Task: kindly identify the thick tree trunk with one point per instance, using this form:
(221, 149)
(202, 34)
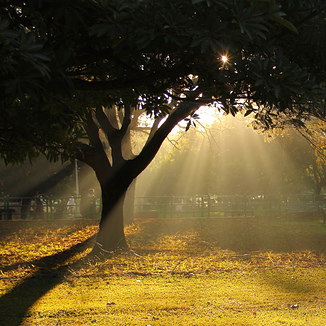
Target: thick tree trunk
(111, 233)
(128, 208)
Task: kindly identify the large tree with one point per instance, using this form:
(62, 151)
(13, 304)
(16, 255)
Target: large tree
(76, 71)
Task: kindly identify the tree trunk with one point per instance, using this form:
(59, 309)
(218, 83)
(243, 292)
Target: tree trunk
(318, 188)
(129, 203)
(111, 232)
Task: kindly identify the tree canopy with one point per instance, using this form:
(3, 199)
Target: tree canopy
(58, 57)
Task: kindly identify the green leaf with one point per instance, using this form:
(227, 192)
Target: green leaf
(197, 1)
(287, 24)
(248, 112)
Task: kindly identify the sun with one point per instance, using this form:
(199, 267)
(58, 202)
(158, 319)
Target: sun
(224, 58)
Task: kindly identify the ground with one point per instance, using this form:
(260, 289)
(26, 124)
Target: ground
(179, 272)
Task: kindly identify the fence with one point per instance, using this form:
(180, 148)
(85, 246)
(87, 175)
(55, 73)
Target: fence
(17, 208)
(224, 206)
(164, 206)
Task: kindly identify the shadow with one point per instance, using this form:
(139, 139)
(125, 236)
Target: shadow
(283, 281)
(239, 235)
(15, 304)
(55, 259)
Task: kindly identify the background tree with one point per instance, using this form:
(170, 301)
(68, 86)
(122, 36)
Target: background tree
(165, 58)
(314, 135)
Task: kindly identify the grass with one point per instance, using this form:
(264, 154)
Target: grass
(180, 272)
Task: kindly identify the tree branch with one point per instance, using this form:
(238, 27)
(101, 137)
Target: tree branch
(104, 122)
(153, 145)
(94, 154)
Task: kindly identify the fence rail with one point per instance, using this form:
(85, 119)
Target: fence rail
(224, 206)
(13, 208)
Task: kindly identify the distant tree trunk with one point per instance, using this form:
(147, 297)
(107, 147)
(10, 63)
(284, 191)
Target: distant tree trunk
(318, 188)
(319, 185)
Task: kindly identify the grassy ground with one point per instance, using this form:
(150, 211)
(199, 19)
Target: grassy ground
(180, 272)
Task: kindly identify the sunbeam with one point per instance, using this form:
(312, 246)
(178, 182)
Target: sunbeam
(232, 159)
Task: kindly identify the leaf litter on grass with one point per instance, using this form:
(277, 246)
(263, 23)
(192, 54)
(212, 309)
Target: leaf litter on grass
(177, 273)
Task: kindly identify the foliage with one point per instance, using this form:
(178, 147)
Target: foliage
(314, 134)
(220, 272)
(59, 57)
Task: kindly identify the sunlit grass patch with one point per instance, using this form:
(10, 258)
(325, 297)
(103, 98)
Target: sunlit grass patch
(229, 298)
(196, 272)
(31, 243)
(22, 252)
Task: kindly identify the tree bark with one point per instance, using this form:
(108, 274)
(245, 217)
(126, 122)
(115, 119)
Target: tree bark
(128, 208)
(111, 233)
(111, 229)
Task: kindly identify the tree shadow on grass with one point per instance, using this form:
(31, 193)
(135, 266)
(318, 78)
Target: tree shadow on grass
(51, 271)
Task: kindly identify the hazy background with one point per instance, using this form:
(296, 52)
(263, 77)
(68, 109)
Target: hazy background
(228, 158)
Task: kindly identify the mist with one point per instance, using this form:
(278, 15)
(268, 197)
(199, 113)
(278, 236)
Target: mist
(229, 158)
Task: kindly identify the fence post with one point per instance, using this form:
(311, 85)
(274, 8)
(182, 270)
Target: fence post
(46, 208)
(6, 205)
